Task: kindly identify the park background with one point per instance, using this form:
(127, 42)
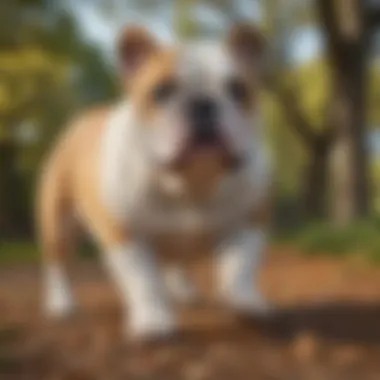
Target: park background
(322, 118)
(322, 109)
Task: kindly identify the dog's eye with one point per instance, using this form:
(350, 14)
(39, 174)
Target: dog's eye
(238, 90)
(164, 91)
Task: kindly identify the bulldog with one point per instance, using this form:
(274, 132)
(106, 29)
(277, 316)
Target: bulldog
(179, 158)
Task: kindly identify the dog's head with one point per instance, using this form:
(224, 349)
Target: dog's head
(194, 100)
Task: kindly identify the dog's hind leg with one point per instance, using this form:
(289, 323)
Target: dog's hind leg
(57, 237)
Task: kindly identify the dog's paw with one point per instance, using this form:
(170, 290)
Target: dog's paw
(59, 300)
(151, 324)
(249, 304)
(59, 303)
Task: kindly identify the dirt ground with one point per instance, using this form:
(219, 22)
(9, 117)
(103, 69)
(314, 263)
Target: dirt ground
(326, 327)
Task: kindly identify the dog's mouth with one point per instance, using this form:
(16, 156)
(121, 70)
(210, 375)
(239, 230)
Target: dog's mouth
(204, 151)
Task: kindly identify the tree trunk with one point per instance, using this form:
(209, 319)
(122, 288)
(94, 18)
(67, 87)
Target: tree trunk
(349, 166)
(348, 41)
(342, 207)
(12, 200)
(315, 186)
(7, 221)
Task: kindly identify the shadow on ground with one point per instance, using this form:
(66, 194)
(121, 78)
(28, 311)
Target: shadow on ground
(339, 340)
(344, 322)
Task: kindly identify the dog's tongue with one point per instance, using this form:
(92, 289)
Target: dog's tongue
(202, 171)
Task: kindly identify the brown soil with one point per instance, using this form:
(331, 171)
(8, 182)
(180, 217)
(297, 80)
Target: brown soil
(327, 327)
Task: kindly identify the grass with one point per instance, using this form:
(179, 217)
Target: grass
(28, 252)
(18, 252)
(360, 239)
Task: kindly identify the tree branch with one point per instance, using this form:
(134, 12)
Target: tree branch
(328, 18)
(296, 118)
(339, 37)
(374, 19)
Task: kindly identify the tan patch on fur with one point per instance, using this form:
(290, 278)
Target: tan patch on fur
(69, 187)
(202, 173)
(160, 67)
(248, 45)
(135, 46)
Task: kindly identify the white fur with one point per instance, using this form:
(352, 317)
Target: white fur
(133, 190)
(151, 202)
(132, 185)
(205, 68)
(134, 270)
(123, 170)
(237, 265)
(59, 301)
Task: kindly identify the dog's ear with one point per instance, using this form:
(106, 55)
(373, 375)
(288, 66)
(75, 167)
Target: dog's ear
(134, 48)
(248, 45)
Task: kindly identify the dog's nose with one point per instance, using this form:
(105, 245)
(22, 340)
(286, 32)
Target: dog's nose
(203, 113)
(202, 109)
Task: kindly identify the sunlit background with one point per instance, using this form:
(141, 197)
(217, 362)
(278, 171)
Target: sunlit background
(322, 116)
(57, 57)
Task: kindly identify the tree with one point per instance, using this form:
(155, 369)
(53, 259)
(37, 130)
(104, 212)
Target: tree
(315, 135)
(46, 73)
(348, 27)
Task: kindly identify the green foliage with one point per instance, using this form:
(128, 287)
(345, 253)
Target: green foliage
(375, 175)
(373, 108)
(47, 72)
(288, 153)
(26, 251)
(312, 83)
(186, 26)
(361, 238)
(19, 251)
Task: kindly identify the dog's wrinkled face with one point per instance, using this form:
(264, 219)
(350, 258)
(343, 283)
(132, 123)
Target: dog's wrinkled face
(196, 100)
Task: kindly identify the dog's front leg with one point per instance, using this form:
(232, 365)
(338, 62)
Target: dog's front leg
(137, 276)
(238, 264)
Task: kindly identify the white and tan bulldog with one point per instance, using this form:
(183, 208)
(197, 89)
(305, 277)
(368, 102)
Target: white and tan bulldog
(180, 161)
